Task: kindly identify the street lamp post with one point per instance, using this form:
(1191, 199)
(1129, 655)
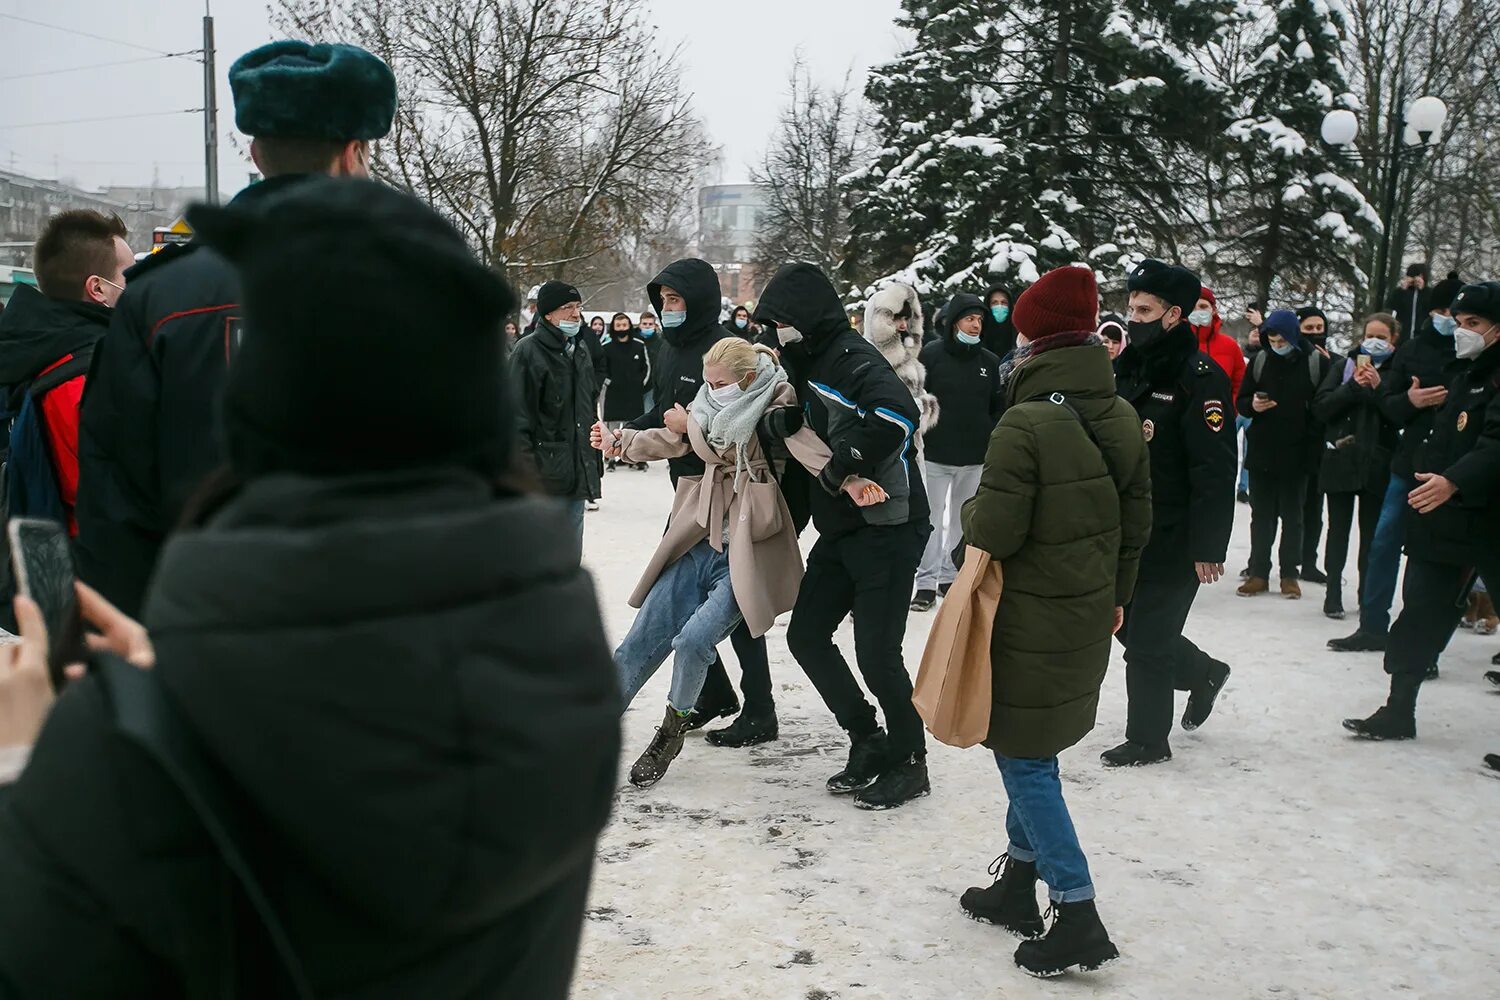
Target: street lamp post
(1420, 128)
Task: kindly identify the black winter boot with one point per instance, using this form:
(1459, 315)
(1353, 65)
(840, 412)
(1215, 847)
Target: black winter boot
(663, 749)
(868, 756)
(1200, 703)
(1333, 601)
(1492, 761)
(897, 785)
(1311, 574)
(925, 600)
(717, 700)
(1360, 642)
(1493, 676)
(1076, 942)
(750, 729)
(1133, 754)
(1397, 718)
(1010, 902)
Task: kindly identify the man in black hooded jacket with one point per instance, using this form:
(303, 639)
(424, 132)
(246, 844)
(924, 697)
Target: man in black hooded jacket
(689, 327)
(865, 559)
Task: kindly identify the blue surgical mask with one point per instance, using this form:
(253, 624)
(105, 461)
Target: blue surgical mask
(1001, 313)
(671, 319)
(1201, 317)
(741, 323)
(967, 338)
(1444, 325)
(648, 332)
(570, 327)
(1283, 350)
(1378, 350)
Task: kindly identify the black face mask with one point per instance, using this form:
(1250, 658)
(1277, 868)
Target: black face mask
(1143, 335)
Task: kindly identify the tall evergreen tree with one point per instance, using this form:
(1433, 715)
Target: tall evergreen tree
(1291, 218)
(1014, 137)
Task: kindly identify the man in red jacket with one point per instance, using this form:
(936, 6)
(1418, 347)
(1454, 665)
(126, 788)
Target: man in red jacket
(1213, 341)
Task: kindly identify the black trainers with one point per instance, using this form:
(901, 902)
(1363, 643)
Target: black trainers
(1333, 603)
(1360, 642)
(925, 600)
(1492, 761)
(1077, 942)
(1200, 703)
(1313, 575)
(867, 758)
(1010, 902)
(750, 729)
(714, 702)
(1386, 724)
(897, 785)
(1132, 754)
(1493, 676)
(943, 589)
(663, 749)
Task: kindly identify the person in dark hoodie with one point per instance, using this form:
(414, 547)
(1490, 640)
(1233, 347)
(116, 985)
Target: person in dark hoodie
(687, 299)
(1455, 534)
(1359, 440)
(1313, 324)
(999, 334)
(738, 324)
(1182, 398)
(1411, 299)
(865, 559)
(146, 437)
(965, 378)
(373, 649)
(1277, 394)
(627, 374)
(1411, 394)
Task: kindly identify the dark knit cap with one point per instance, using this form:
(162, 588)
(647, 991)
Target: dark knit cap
(1064, 300)
(372, 338)
(297, 90)
(1172, 283)
(555, 295)
(1481, 299)
(1308, 311)
(1444, 291)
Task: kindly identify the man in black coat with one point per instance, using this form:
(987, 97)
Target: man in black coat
(1456, 532)
(557, 394)
(1183, 399)
(866, 558)
(1313, 324)
(147, 437)
(1411, 300)
(1410, 396)
(686, 297)
(999, 332)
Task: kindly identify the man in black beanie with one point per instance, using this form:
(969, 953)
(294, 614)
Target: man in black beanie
(556, 389)
(146, 438)
(1187, 416)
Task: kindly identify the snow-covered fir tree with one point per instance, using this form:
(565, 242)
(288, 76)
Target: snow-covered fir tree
(1014, 137)
(1290, 218)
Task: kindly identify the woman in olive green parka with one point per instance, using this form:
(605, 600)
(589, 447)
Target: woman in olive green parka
(1064, 505)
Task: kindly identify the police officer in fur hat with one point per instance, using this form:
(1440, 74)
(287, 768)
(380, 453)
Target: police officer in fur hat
(147, 440)
(1187, 416)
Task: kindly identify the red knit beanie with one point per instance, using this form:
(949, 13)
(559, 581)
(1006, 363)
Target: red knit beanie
(1208, 293)
(1064, 300)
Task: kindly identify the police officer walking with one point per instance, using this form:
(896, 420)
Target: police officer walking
(1456, 531)
(147, 436)
(1183, 400)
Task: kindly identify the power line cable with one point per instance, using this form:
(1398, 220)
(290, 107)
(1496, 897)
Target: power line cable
(82, 34)
(103, 65)
(104, 118)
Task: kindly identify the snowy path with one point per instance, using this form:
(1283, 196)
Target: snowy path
(1272, 857)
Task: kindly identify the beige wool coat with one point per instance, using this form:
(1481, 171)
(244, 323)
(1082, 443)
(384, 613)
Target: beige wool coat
(765, 564)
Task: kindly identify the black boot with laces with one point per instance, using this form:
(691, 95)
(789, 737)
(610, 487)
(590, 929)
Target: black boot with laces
(1077, 942)
(663, 749)
(1011, 901)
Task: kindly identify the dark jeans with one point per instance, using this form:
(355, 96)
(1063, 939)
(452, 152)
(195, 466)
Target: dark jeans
(755, 674)
(1340, 520)
(1378, 581)
(1433, 598)
(1276, 497)
(1158, 658)
(869, 572)
(1312, 523)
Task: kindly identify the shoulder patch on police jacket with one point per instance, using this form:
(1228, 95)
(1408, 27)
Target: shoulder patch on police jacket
(1206, 367)
(1213, 415)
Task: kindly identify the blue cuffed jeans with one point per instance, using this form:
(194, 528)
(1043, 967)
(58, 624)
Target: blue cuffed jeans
(689, 611)
(1040, 828)
(1242, 424)
(1384, 563)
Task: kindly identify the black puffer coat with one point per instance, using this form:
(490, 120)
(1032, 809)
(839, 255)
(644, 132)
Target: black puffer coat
(405, 682)
(556, 394)
(627, 366)
(965, 378)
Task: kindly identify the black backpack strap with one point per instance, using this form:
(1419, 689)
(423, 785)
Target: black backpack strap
(1058, 399)
(145, 715)
(70, 369)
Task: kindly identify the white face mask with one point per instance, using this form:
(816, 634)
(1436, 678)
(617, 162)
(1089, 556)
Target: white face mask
(788, 335)
(726, 394)
(1469, 344)
(1201, 317)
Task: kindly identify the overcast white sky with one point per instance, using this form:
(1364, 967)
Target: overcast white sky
(735, 61)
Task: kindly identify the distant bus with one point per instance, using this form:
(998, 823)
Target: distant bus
(10, 277)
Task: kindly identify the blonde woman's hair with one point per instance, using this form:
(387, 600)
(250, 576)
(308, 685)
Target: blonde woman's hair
(738, 357)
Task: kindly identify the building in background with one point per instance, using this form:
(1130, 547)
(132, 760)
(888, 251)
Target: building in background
(728, 217)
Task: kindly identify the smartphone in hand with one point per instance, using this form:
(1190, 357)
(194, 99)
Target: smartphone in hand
(43, 557)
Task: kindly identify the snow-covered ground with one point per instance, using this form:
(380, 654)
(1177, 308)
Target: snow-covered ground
(1273, 856)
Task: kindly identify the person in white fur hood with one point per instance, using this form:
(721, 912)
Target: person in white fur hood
(894, 324)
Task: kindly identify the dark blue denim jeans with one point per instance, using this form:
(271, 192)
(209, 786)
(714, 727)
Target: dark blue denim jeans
(1385, 557)
(1040, 828)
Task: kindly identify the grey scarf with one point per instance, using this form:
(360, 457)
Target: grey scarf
(734, 423)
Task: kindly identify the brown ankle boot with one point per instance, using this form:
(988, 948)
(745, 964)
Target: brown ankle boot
(1253, 586)
(1291, 589)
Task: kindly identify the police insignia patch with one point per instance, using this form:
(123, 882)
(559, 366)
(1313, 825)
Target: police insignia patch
(1213, 415)
(1149, 429)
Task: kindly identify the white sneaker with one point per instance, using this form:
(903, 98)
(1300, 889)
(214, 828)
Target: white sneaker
(591, 505)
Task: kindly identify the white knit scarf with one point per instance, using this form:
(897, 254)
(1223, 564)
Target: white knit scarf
(734, 423)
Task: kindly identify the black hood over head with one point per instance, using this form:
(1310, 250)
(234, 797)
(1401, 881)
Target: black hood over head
(36, 331)
(961, 305)
(801, 296)
(698, 284)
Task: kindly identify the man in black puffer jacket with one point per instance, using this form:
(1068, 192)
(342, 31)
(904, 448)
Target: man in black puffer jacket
(389, 664)
(866, 558)
(686, 297)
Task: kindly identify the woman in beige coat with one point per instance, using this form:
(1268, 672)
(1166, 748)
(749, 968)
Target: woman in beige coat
(730, 550)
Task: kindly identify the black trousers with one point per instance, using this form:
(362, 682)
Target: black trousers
(1277, 497)
(1340, 520)
(1312, 523)
(1158, 658)
(1433, 597)
(869, 572)
(755, 675)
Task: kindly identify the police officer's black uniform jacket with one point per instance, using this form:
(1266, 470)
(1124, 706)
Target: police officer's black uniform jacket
(1464, 448)
(1183, 399)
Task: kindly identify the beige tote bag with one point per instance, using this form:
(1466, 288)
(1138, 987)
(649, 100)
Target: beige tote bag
(952, 693)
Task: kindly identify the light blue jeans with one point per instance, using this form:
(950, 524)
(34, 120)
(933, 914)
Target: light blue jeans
(1241, 425)
(689, 611)
(1040, 828)
(1384, 562)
